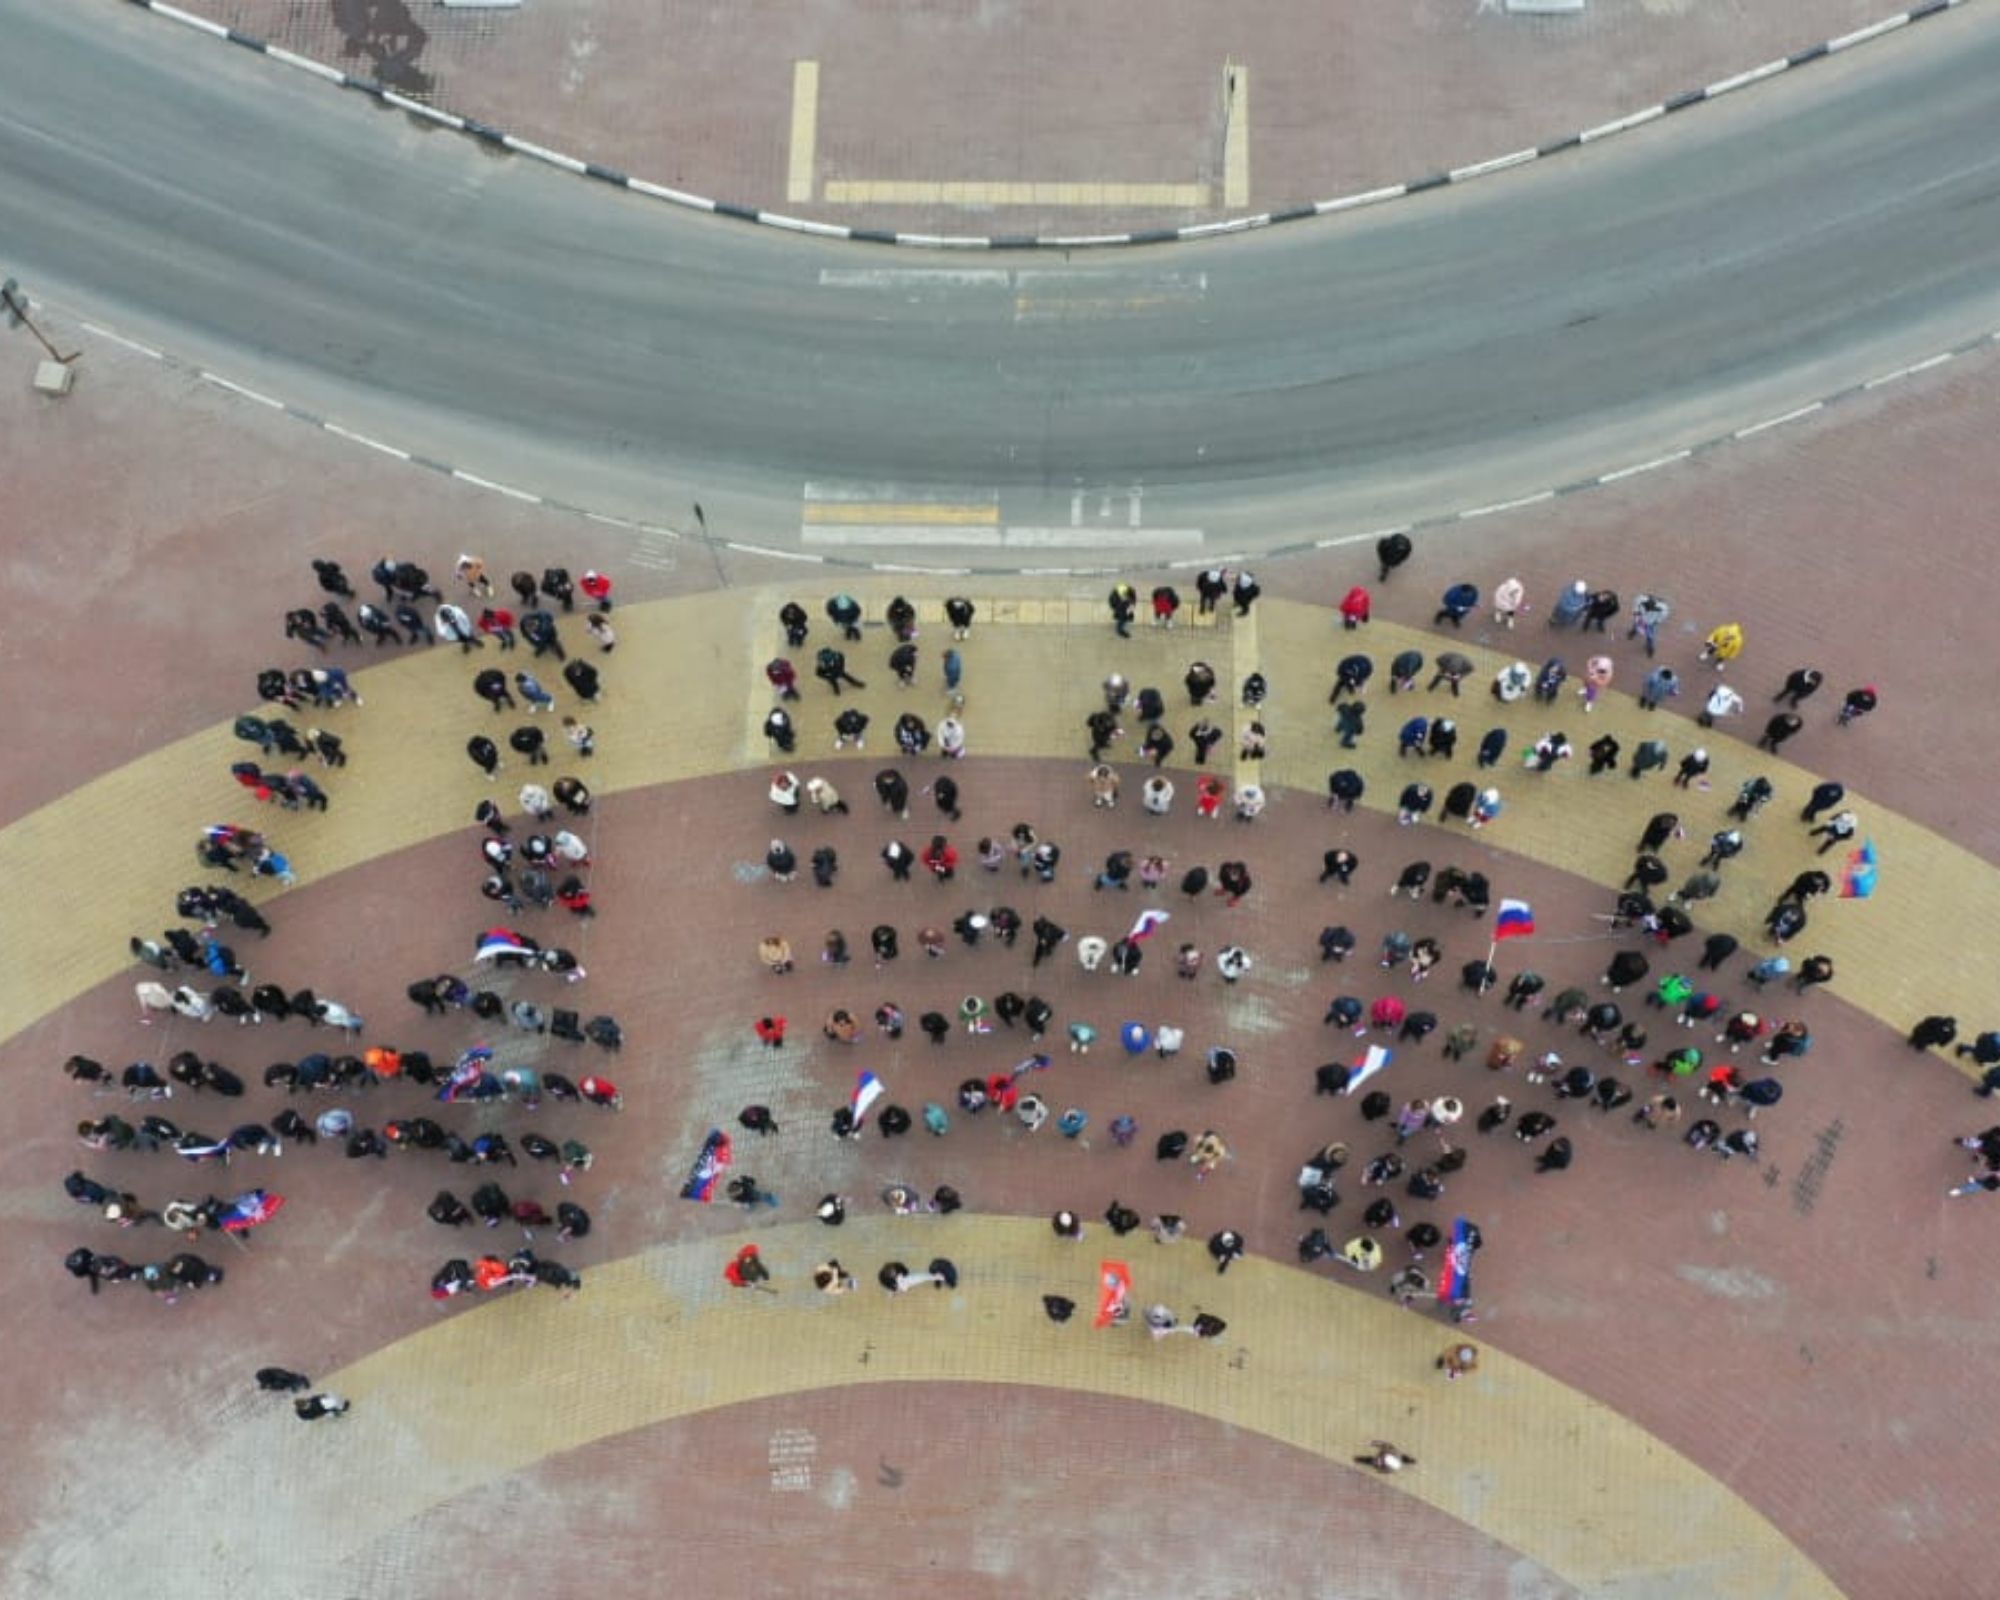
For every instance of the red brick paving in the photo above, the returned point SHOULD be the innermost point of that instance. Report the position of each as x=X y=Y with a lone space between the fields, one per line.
x=1342 y=100
x=1733 y=1291
x=1759 y=1320
x=1024 y=1491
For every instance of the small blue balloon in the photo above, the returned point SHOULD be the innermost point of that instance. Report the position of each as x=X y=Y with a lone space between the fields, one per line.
x=1135 y=1038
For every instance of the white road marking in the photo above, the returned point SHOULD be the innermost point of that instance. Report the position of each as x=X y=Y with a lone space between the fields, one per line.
x=1778 y=422
x=120 y=339
x=1644 y=466
x=339 y=432
x=1506 y=505
x=237 y=388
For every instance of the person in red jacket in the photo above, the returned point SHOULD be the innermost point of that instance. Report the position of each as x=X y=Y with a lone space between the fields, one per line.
x=771 y=1030
x=596 y=587
x=1354 y=608
x=746 y=1270
x=498 y=623
x=940 y=859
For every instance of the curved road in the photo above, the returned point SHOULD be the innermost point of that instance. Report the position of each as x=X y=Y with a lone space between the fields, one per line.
x=1332 y=377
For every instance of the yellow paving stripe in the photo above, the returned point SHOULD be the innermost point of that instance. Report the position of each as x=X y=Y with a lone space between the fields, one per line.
x=900 y=511
x=909 y=192
x=1538 y=1466
x=1236 y=135
x=124 y=842
x=805 y=130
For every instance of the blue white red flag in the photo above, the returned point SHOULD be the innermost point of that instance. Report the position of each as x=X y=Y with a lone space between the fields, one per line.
x=495 y=943
x=705 y=1177
x=1455 y=1275
x=468 y=1070
x=251 y=1209
x=1514 y=920
x=1151 y=920
x=1378 y=1057
x=867 y=1090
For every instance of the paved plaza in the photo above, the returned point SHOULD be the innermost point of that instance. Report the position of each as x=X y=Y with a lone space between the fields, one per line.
x=1752 y=1378
x=1697 y=1377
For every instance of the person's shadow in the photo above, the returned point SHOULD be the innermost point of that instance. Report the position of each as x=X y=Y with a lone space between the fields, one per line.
x=386 y=33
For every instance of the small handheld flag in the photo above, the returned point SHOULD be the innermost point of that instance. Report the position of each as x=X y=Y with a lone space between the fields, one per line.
x=1151 y=920
x=1114 y=1288
x=1455 y=1277
x=1514 y=920
x=1377 y=1058
x=705 y=1177
x=867 y=1090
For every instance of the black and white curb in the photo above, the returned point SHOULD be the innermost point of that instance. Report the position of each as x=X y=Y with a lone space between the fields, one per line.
x=487 y=134
x=652 y=536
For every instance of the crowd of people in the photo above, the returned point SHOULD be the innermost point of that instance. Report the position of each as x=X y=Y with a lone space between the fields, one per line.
x=1658 y=1033
x=527 y=865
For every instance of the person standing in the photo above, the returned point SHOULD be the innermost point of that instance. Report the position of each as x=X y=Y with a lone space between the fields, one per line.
x=1800 y=683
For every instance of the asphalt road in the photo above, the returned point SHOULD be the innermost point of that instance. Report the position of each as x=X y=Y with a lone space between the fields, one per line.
x=1326 y=378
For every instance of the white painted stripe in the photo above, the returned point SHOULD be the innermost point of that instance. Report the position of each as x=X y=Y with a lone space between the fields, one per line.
x=318 y=69
x=339 y=432
x=237 y=388
x=192 y=21
x=1055 y=572
x=1350 y=538
x=1874 y=30
x=1019 y=537
x=1479 y=169
x=986 y=535
x=914 y=278
x=775 y=555
x=609 y=521
x=826 y=230
x=554 y=158
x=901 y=494
x=1110 y=282
x=1507 y=505
x=934 y=572
x=1908 y=372
x=1348 y=202
x=1637 y=119
x=120 y=339
x=641 y=558
x=1743 y=80
x=679 y=198
x=1209 y=230
x=1778 y=422
x=658 y=532
x=1081 y=241
x=497 y=488
x=1207 y=561
x=418 y=108
x=1644 y=466
x=935 y=241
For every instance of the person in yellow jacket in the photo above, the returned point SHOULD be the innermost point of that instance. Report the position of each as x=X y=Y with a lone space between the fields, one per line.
x=1723 y=644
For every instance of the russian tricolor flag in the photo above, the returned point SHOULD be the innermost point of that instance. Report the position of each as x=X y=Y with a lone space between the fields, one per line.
x=1151 y=920
x=1455 y=1275
x=867 y=1090
x=1514 y=920
x=705 y=1177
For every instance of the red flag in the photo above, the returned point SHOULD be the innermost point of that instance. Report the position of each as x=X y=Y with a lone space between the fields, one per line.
x=1114 y=1288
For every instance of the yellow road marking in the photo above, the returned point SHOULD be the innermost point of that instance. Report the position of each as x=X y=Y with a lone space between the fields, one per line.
x=911 y=192
x=899 y=511
x=805 y=130
x=1235 y=135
